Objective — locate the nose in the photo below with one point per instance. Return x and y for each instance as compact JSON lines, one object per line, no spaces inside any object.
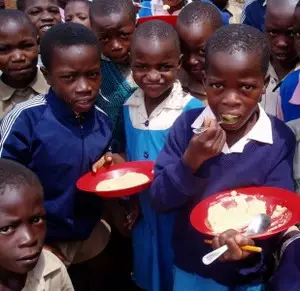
{"x":18,"y":56}
{"x":231,"y":99}
{"x":115,"y":45}
{"x":82,"y":85}
{"x":193,"y":60}
{"x":153,"y":76}
{"x":282,"y":41}
{"x":47,"y":17}
{"x":28,"y":237}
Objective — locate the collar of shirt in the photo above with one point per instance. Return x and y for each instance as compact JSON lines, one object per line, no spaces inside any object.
{"x":173,"y":101}
{"x":261,"y":131}
{"x":265,"y":3}
{"x":39,"y":85}
{"x":45,"y":266}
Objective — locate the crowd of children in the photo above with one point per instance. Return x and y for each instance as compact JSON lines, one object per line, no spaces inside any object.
{"x":84,"y":87}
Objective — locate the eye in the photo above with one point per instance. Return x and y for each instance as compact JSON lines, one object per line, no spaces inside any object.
{"x":81,"y":17}
{"x":4,"y":49}
{"x":248,"y":88}
{"x":28,"y":45}
{"x":141,"y":67}
{"x":68,"y":19}
{"x":6,"y":230}
{"x":165,"y":67}
{"x":54,"y":10}
{"x":124,"y":35}
{"x":34,"y":12}
{"x":202,"y":52}
{"x":216,"y":86}
{"x":37,"y":219}
{"x":94,"y":75}
{"x":273,"y":33}
{"x":104,"y":38}
{"x":297,"y":33}
{"x":68,"y":77}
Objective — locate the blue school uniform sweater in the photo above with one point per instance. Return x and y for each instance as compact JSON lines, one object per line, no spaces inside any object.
{"x":175,"y":187}
{"x":254,"y":14}
{"x":289,"y":84}
{"x":44,"y":135}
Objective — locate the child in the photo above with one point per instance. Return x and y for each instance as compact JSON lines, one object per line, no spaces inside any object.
{"x":148,"y":115}
{"x":193,"y":167}
{"x":78,"y":11}
{"x":195,"y":24}
{"x":43,"y":13}
{"x":279,"y":29}
{"x":24,"y":264}
{"x":60,"y":135}
{"x":21,"y":79}
{"x":114,"y":21}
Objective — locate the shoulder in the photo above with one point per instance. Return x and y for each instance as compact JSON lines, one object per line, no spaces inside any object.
{"x":291,"y":81}
{"x":187,"y":118}
{"x":193,"y":103}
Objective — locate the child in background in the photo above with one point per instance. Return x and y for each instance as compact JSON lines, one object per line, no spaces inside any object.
{"x":230,"y":8}
{"x":279,"y":29}
{"x":43,"y":13}
{"x":148,"y":115}
{"x":195,"y":24}
{"x":24,"y":264}
{"x":59,"y":136}
{"x":21,"y":79}
{"x":114,"y":22}
{"x":78,"y":11}
{"x":193,"y":167}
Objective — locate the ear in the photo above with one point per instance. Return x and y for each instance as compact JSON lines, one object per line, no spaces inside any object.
{"x":266,"y":83}
{"x":204,"y":79}
{"x":47,"y":76}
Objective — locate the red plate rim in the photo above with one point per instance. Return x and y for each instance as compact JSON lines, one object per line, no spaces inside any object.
{"x":89,"y":181}
{"x":290,"y":200}
{"x":170,"y":19}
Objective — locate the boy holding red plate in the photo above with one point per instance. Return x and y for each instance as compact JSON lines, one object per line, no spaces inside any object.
{"x":241,"y":147}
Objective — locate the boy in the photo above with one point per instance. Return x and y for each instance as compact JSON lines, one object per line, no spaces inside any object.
{"x":148,"y":115}
{"x":193,"y":167}
{"x":279,"y":30}
{"x":24,"y":264}
{"x":78,"y":11}
{"x":43,"y":13}
{"x":195,"y":24}
{"x":60,"y":135}
{"x":114,"y":22}
{"x":21,"y":79}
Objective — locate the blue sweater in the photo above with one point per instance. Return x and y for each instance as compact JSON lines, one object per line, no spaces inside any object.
{"x":175,"y":186}
{"x":44,"y":135}
{"x":255,"y":14}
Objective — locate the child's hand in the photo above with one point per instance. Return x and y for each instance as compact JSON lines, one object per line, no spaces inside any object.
{"x":205,"y":145}
{"x":234,"y":240}
{"x":104,"y":161}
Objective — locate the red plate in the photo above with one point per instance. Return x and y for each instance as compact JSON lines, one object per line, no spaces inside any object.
{"x":272,"y":197}
{"x":90,"y":180}
{"x":171,"y":19}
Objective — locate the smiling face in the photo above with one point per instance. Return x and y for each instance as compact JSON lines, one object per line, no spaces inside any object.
{"x":74,"y":76}
{"x":22,"y":228}
{"x":115,"y":34}
{"x":234,"y":91}
{"x":297,"y":30}
{"x":279,"y":29}
{"x":43,"y":14}
{"x":155,"y":64}
{"x":78,"y":12}
{"x":193,"y":41}
{"x":18,"y":50}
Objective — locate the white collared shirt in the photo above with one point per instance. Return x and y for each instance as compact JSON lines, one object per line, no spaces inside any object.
{"x":49,"y":274}
{"x":261,"y":131}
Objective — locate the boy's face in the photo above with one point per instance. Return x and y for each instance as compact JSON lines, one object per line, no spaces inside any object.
{"x":193,"y":41}
{"x":297,"y":30}
{"x":115,"y":33}
{"x":155,"y":64}
{"x":78,"y":12}
{"x":22,"y":228}
{"x":234,"y":91}
{"x":43,"y":14}
{"x":75,"y":76}
{"x":18,"y":50}
{"x":279,"y":29}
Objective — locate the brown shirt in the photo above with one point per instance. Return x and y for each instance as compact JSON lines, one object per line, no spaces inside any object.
{"x":10,"y":96}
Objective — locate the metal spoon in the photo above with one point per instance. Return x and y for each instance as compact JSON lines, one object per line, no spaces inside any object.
{"x":258,"y":224}
{"x":202,"y":129}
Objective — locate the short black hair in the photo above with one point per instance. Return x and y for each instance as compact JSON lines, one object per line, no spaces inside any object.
{"x":64,"y":35}
{"x":15,"y":175}
{"x":16,"y":16}
{"x":84,"y":1}
{"x":200,"y":12}
{"x":102,"y":8}
{"x":239,"y":37}
{"x":156,"y":30}
{"x":21,"y":4}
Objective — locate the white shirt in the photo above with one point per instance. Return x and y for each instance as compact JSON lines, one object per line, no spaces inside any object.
{"x":261,"y":131}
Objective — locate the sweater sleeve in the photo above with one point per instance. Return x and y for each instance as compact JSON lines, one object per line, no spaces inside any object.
{"x":174,"y":183}
{"x":15,"y":143}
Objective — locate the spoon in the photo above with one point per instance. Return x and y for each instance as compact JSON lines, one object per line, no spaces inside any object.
{"x":202,"y":129}
{"x":258,"y":224}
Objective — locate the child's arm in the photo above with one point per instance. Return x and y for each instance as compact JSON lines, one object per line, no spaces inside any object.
{"x":175,"y":181}
{"x":109,"y":159}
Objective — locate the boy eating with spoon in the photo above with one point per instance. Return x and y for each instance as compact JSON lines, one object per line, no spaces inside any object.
{"x":193,"y":167}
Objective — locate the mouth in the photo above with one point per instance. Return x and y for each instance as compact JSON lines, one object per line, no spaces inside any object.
{"x":30,"y":259}
{"x":281,"y":56}
{"x":230,"y":118}
{"x":45,"y":27}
